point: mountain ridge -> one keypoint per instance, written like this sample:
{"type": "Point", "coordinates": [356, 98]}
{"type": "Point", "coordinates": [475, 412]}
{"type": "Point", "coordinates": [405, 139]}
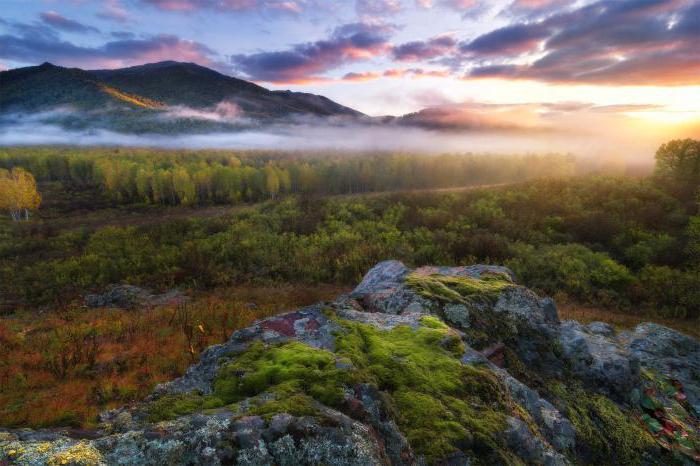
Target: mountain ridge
{"type": "Point", "coordinates": [143, 91]}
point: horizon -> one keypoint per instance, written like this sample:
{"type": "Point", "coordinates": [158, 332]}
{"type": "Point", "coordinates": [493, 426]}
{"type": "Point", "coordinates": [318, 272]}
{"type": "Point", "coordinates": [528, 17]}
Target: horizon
{"type": "Point", "coordinates": [390, 57]}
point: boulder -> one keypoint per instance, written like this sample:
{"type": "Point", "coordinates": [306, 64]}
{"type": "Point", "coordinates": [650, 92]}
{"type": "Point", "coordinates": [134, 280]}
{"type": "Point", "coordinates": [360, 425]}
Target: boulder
{"type": "Point", "coordinates": [130, 297]}
{"type": "Point", "coordinates": [599, 361]}
{"type": "Point", "coordinates": [667, 352]}
{"type": "Point", "coordinates": [404, 370]}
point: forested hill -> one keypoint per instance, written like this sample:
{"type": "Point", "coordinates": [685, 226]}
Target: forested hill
{"type": "Point", "coordinates": [178, 91]}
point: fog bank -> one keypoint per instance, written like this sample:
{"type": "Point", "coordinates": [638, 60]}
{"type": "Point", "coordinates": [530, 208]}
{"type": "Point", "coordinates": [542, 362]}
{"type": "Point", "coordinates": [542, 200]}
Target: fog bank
{"type": "Point", "coordinates": [596, 143]}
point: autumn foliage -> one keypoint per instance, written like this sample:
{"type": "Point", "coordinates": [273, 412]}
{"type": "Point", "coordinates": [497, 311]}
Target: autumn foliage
{"type": "Point", "coordinates": [70, 365]}
{"type": "Point", "coordinates": [18, 194]}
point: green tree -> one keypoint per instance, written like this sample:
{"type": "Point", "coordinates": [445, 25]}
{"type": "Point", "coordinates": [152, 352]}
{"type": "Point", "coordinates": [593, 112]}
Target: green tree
{"type": "Point", "coordinates": [678, 168]}
{"type": "Point", "coordinates": [184, 187]}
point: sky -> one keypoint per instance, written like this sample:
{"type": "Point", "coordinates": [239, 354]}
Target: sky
{"type": "Point", "coordinates": [525, 61]}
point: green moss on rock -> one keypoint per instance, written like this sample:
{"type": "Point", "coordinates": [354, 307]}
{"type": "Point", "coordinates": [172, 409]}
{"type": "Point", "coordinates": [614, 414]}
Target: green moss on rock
{"type": "Point", "coordinates": [441, 405]}
{"type": "Point", "coordinates": [605, 433]}
{"type": "Point", "coordinates": [288, 369]}
{"type": "Point", "coordinates": [462, 290]}
{"type": "Point", "coordinates": [171, 406]}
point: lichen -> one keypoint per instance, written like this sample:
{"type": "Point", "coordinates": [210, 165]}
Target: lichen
{"type": "Point", "coordinates": [80, 454]}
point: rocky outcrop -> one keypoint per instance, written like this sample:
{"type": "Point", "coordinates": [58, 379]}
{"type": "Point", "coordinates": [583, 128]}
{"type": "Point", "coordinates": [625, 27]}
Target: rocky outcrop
{"type": "Point", "coordinates": [129, 297]}
{"type": "Point", "coordinates": [435, 365]}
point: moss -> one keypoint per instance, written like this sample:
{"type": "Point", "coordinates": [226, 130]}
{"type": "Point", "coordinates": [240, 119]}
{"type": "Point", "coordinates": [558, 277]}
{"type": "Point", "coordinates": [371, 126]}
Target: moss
{"type": "Point", "coordinates": [433, 322]}
{"type": "Point", "coordinates": [441, 405]}
{"type": "Point", "coordinates": [171, 406]}
{"type": "Point", "coordinates": [462, 290]}
{"type": "Point", "coordinates": [294, 404]}
{"type": "Point", "coordinates": [605, 434]}
{"type": "Point", "coordinates": [291, 368]}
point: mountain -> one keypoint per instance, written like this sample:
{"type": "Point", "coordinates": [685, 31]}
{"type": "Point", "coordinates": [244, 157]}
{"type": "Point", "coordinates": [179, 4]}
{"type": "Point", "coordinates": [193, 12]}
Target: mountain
{"type": "Point", "coordinates": [435, 365]}
{"type": "Point", "coordinates": [126, 98]}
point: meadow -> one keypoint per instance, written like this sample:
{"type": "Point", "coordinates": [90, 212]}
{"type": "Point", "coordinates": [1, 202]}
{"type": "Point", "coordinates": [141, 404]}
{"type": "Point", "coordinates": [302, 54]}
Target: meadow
{"type": "Point", "coordinates": [247, 235]}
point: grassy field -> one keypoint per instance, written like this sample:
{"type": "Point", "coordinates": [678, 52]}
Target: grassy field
{"type": "Point", "coordinates": [62, 367]}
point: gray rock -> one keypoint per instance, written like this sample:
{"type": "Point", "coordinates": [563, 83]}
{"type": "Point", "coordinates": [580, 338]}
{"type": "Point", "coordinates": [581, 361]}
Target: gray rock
{"type": "Point", "coordinates": [384, 275]}
{"type": "Point", "coordinates": [556, 428]}
{"type": "Point", "coordinates": [600, 362]}
{"type": "Point", "coordinates": [668, 353]}
{"type": "Point", "coordinates": [530, 448]}
{"type": "Point", "coordinates": [457, 314]}
{"type": "Point", "coordinates": [130, 297]}
{"type": "Point", "coordinates": [600, 328]}
{"type": "Point", "coordinates": [521, 302]}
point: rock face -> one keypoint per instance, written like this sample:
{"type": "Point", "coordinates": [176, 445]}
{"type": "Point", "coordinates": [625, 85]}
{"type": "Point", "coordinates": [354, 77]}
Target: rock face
{"type": "Point", "coordinates": [436, 365]}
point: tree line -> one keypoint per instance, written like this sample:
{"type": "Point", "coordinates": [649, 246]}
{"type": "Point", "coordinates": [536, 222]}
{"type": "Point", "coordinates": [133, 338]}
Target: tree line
{"type": "Point", "coordinates": [219, 177]}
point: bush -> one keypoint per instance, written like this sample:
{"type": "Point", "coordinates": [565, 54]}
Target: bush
{"type": "Point", "coordinates": [573, 269]}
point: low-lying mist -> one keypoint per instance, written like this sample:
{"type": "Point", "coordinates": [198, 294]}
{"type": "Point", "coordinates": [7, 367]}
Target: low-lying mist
{"type": "Point", "coordinates": [599, 136]}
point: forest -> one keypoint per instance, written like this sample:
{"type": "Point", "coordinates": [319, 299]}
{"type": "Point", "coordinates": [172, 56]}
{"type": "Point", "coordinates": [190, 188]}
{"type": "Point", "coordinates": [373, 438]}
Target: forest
{"type": "Point", "coordinates": [613, 241]}
{"type": "Point", "coordinates": [150, 176]}
{"type": "Point", "coordinates": [208, 222]}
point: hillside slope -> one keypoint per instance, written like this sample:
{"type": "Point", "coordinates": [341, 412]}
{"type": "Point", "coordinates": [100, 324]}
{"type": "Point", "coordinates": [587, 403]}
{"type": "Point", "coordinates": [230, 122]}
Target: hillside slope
{"type": "Point", "coordinates": [196, 86]}
{"type": "Point", "coordinates": [436, 365]}
{"type": "Point", "coordinates": [158, 95]}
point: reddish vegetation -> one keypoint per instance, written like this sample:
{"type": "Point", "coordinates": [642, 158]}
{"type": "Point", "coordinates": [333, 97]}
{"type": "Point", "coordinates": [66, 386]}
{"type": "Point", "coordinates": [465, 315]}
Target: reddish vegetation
{"type": "Point", "coordinates": [63, 367]}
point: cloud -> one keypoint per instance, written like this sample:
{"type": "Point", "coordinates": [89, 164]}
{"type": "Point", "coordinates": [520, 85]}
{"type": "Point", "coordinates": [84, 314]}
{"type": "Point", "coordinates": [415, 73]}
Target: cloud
{"type": "Point", "coordinates": [113, 10]}
{"type": "Point", "coordinates": [223, 112]}
{"type": "Point", "coordinates": [349, 43]}
{"type": "Point", "coordinates": [468, 8]}
{"type": "Point", "coordinates": [285, 6]}
{"type": "Point", "coordinates": [608, 42]}
{"type": "Point", "coordinates": [509, 40]}
{"type": "Point", "coordinates": [534, 8]}
{"type": "Point", "coordinates": [422, 50]}
{"type": "Point", "coordinates": [377, 8]}
{"type": "Point", "coordinates": [37, 48]}
{"type": "Point", "coordinates": [394, 73]}
{"type": "Point", "coordinates": [57, 21]}
{"type": "Point", "coordinates": [122, 35]}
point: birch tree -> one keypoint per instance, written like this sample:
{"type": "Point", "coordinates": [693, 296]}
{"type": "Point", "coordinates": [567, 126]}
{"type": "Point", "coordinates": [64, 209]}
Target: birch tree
{"type": "Point", "coordinates": [18, 194]}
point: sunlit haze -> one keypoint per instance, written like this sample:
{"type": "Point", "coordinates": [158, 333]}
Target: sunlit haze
{"type": "Point", "coordinates": [624, 66]}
